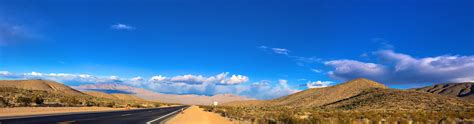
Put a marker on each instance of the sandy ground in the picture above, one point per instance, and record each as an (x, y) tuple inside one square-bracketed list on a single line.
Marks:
[(24, 111), (196, 115)]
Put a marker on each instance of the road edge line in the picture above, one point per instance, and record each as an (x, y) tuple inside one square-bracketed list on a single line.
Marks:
[(161, 117)]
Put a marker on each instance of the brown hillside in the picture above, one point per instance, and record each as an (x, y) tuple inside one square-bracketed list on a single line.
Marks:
[(461, 90), (100, 94), (43, 85), (118, 96), (318, 96), (127, 97), (392, 99)]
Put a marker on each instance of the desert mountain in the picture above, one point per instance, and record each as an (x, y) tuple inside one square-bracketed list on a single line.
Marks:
[(43, 85), (362, 94), (461, 90), (167, 98), (393, 99), (119, 96), (319, 96)]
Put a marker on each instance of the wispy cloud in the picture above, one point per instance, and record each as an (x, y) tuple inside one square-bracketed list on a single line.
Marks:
[(11, 33), (402, 68), (317, 70), (300, 60), (281, 51), (120, 26)]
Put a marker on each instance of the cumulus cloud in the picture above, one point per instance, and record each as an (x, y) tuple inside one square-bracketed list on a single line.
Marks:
[(318, 84), (7, 74), (158, 79), (120, 26), (402, 68), (220, 79), (265, 90)]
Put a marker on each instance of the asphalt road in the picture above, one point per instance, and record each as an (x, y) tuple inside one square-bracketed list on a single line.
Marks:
[(141, 116)]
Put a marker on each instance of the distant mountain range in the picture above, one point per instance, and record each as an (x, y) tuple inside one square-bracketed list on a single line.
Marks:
[(118, 96), (461, 90), (363, 94), (167, 98)]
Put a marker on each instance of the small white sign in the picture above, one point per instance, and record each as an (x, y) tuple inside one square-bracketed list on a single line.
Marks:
[(215, 103)]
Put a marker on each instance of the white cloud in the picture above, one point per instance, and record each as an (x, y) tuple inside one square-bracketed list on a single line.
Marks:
[(237, 79), (300, 61), (137, 79), (317, 70), (220, 79), (318, 84), (7, 74), (157, 79), (403, 68), (34, 74), (189, 79), (120, 26), (280, 51)]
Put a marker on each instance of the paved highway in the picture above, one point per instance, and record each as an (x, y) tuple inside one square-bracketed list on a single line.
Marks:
[(140, 116)]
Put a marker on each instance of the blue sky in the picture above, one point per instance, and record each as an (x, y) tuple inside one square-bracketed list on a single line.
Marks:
[(287, 45)]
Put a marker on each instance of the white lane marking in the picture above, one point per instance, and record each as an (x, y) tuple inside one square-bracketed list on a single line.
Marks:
[(149, 122), (66, 122), (126, 114)]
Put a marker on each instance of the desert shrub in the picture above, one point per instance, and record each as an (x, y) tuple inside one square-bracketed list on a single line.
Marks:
[(3, 102), (89, 103), (37, 100), (109, 104), (71, 101), (23, 101)]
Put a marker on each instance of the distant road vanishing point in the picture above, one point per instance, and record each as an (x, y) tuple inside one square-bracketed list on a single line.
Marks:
[(140, 116)]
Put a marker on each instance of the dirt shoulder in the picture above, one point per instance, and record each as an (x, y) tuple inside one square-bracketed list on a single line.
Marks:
[(28, 111), (196, 115)]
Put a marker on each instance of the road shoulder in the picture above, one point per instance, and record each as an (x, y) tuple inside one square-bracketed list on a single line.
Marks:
[(196, 115)]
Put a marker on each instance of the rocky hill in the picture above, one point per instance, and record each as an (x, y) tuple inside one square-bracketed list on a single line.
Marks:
[(364, 94), (14, 93), (461, 90), (360, 100), (318, 96), (400, 100)]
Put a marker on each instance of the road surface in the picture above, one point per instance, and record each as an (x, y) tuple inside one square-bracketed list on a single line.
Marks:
[(140, 116)]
